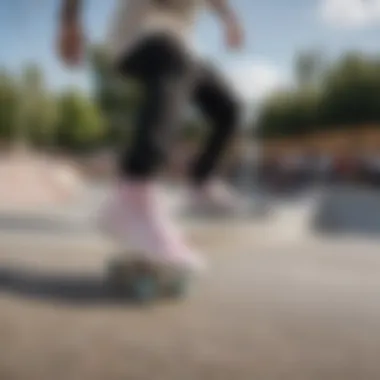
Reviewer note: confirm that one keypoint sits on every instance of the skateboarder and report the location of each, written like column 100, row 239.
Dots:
column 150, row 40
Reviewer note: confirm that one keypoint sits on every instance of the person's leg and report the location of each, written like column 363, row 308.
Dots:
column 166, row 73
column 222, row 110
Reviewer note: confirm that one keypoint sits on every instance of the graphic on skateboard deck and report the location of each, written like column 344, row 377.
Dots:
column 144, row 280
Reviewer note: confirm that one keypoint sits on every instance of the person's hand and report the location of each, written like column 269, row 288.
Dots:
column 70, row 43
column 235, row 36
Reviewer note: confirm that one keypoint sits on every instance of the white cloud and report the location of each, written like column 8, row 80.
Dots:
column 254, row 80
column 350, row 13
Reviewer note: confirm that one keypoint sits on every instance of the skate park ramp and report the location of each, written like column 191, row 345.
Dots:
column 30, row 180
column 348, row 210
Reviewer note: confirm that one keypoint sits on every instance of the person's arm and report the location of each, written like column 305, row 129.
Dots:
column 223, row 9
column 70, row 43
column 70, row 11
column 230, row 20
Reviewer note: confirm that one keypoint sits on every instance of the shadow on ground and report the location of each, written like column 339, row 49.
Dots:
column 80, row 289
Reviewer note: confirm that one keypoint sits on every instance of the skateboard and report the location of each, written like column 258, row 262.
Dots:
column 145, row 281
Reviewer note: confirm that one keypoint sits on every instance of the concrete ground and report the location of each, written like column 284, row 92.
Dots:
column 267, row 309
column 276, row 303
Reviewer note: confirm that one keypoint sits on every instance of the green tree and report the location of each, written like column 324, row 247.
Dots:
column 9, row 94
column 346, row 95
column 288, row 114
column 36, row 111
column 351, row 94
column 81, row 124
column 40, row 108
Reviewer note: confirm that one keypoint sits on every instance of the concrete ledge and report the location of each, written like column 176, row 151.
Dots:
column 349, row 210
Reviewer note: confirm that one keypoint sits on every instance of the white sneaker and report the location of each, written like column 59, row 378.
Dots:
column 218, row 198
column 137, row 219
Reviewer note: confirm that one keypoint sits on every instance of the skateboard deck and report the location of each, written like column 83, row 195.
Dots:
column 144, row 280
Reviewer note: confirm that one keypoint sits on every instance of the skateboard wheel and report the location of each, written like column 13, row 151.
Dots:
column 144, row 289
column 144, row 282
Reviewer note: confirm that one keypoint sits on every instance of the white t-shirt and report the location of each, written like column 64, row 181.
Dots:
column 135, row 19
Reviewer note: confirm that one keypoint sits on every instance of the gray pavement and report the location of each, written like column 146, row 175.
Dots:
column 269, row 307
column 295, row 311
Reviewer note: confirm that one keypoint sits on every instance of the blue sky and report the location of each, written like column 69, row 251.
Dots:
column 275, row 29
